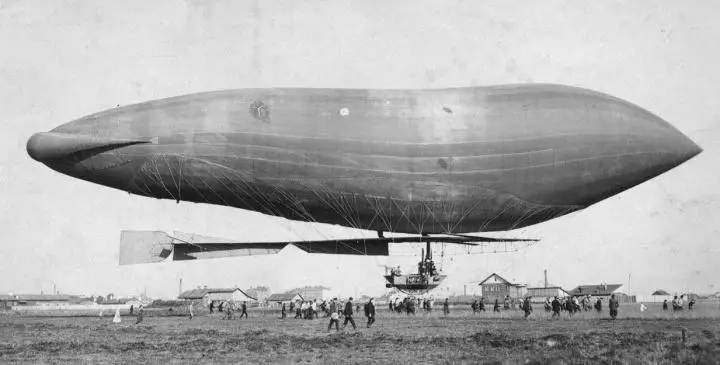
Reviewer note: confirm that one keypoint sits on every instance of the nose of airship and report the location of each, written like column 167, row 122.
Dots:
column 693, row 149
column 40, row 147
column 53, row 146
column 49, row 146
column 681, row 148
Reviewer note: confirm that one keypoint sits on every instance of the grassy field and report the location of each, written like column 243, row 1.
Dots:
column 461, row 337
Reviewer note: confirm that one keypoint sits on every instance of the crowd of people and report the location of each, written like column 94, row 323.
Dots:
column 336, row 310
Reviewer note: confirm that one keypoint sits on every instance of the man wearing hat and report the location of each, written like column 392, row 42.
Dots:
column 348, row 313
column 370, row 312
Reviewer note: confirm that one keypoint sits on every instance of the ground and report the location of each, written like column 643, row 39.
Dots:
column 653, row 337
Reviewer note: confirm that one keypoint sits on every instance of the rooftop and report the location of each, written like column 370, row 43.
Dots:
column 282, row 297
column 501, row 278
column 599, row 289
column 200, row 293
column 36, row 297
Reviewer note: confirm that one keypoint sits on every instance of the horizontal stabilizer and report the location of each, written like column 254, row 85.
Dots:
column 197, row 239
column 476, row 239
column 138, row 247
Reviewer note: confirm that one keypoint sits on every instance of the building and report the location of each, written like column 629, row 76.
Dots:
column 657, row 296
column 600, row 290
column 496, row 287
column 278, row 299
column 318, row 293
column 7, row 301
column 261, row 293
column 217, row 295
column 539, row 294
column 42, row 299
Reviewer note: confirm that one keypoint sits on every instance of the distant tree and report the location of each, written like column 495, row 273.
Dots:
column 100, row 299
column 110, row 297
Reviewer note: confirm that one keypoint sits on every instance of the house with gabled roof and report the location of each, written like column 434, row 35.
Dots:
column 497, row 287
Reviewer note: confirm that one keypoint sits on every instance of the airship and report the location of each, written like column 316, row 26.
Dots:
column 439, row 164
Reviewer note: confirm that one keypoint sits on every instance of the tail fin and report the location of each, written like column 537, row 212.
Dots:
column 144, row 247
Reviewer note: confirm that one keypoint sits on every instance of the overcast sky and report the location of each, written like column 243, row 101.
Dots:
column 60, row 60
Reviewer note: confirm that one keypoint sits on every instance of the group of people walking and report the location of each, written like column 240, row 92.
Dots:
column 555, row 305
column 226, row 307
column 336, row 310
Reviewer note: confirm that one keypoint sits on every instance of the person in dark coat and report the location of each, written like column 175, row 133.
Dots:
column 370, row 312
column 446, row 307
column 212, row 306
column 283, row 313
column 598, row 305
column 665, row 305
column 409, row 306
column 614, row 305
column 140, row 315
column 244, row 310
column 527, row 307
column 497, row 306
column 481, row 305
column 348, row 313
column 556, row 307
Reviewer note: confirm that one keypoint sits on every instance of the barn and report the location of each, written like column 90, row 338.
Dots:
column 496, row 287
